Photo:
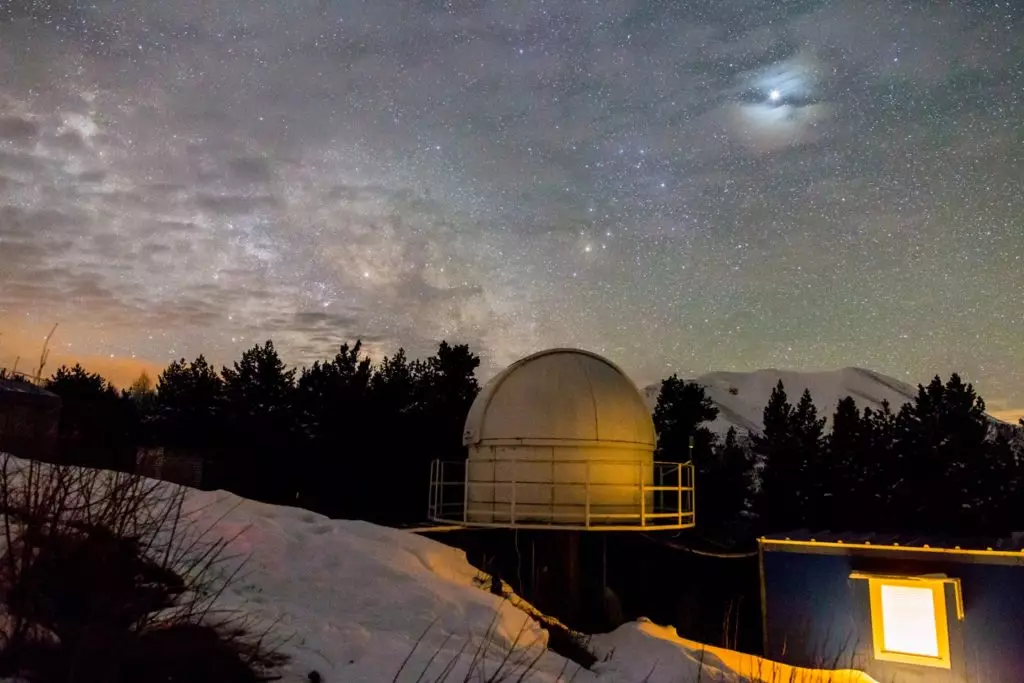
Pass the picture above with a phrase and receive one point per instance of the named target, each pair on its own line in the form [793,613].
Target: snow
[744,408]
[353,598]
[643,650]
[350,600]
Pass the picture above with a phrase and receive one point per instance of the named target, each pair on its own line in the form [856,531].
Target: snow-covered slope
[360,603]
[742,396]
[353,598]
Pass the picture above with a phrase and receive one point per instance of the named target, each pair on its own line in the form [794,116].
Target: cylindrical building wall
[576,485]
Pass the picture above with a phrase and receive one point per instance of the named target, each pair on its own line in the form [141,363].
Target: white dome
[561,397]
[561,439]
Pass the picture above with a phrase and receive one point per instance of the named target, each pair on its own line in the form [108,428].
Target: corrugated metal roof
[1013,543]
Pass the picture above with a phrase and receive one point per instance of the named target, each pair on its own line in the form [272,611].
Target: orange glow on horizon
[23,347]
[1011,415]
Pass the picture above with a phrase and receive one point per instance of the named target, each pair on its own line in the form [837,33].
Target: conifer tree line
[344,437]
[937,465]
[348,437]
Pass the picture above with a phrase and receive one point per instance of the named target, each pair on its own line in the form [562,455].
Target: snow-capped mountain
[742,396]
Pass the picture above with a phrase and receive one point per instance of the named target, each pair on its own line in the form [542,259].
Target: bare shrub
[103,577]
[489,660]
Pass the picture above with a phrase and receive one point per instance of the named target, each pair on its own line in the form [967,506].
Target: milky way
[683,186]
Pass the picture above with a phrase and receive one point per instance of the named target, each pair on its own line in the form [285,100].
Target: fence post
[512,513]
[430,491]
[693,495]
[586,509]
[679,493]
[643,495]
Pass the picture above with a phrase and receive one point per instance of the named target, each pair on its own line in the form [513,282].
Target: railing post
[430,491]
[586,509]
[512,512]
[643,495]
[693,496]
[679,493]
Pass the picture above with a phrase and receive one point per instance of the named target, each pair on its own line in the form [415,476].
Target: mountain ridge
[741,396]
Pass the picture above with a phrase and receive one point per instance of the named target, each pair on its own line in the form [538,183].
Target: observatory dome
[561,398]
[560,438]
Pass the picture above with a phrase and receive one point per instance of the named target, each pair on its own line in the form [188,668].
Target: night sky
[682,186]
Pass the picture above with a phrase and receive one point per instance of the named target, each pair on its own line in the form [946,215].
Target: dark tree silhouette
[448,388]
[790,450]
[778,499]
[844,492]
[722,473]
[813,470]
[334,415]
[96,424]
[189,407]
[725,488]
[352,438]
[682,412]
[949,477]
[260,421]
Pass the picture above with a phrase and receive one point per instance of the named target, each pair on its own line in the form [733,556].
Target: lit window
[909,622]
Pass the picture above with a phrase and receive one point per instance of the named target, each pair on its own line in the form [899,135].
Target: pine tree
[96,422]
[724,493]
[393,385]
[721,473]
[259,394]
[448,387]
[812,468]
[682,412]
[951,479]
[843,493]
[335,420]
[781,486]
[188,407]
[882,471]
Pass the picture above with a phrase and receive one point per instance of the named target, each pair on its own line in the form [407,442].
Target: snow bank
[645,651]
[355,597]
[350,600]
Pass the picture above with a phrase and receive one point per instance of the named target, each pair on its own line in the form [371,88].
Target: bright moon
[774,95]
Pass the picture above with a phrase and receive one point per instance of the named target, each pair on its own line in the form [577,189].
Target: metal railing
[629,496]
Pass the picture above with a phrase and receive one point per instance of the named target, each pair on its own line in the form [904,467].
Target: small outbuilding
[561,439]
[29,419]
[898,608]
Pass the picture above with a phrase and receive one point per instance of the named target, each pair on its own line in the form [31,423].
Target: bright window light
[908,620]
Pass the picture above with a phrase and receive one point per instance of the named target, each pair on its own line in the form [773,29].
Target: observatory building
[561,439]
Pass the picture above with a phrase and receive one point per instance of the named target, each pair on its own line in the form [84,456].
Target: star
[197,177]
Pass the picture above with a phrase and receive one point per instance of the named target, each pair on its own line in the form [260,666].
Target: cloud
[192,176]
[235,205]
[17,129]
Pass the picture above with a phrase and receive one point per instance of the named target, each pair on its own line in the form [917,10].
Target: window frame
[937,584]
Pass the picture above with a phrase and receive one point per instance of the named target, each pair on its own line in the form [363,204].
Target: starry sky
[682,185]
